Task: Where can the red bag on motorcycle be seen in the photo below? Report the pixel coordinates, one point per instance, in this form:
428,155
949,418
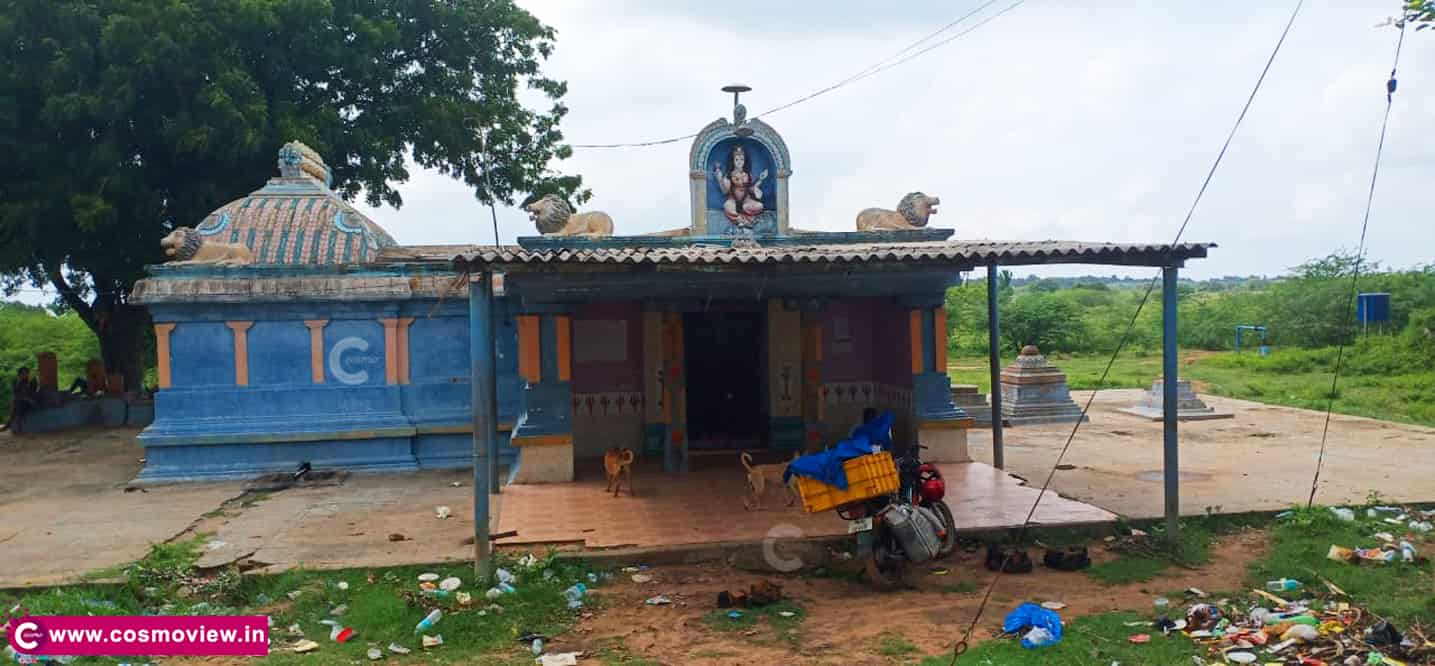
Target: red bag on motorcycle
931,488
914,530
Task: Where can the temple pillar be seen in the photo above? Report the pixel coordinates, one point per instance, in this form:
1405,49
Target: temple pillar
544,431
655,424
940,424
162,357
241,350
675,395
785,371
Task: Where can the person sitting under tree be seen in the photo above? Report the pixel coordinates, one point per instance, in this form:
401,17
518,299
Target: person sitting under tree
25,395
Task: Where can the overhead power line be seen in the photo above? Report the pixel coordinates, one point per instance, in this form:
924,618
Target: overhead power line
961,646
1355,271
902,56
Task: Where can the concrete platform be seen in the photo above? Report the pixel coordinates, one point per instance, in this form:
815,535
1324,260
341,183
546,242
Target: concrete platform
706,507
1155,414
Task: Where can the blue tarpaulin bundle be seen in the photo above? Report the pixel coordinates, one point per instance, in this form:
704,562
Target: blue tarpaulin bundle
1031,616
826,466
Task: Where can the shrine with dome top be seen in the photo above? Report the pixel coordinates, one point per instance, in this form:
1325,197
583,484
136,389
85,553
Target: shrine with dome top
291,328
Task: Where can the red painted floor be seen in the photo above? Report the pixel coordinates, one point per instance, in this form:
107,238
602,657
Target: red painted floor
706,506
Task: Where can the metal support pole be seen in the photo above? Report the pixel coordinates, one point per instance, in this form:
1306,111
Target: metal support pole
1168,402
483,383
995,359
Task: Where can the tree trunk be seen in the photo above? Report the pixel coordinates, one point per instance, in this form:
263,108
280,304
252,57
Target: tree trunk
120,328
122,344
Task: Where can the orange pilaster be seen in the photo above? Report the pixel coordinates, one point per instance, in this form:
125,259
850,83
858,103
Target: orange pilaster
161,348
916,330
562,335
530,356
316,349
241,350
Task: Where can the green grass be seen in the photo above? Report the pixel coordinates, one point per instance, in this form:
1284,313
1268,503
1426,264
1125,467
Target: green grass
1295,378
1094,639
959,587
895,645
381,612
784,628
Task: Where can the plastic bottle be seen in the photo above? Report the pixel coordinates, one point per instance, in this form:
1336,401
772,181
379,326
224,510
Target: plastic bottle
574,595
429,621
1283,585
1161,603
1407,551
1343,513
505,576
537,646
506,588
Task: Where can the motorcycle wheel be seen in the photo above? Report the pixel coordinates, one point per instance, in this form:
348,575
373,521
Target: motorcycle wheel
949,524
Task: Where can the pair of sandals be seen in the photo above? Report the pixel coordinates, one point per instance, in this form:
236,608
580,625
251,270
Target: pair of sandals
1073,558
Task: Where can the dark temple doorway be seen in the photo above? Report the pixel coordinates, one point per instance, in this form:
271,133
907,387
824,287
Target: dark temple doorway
725,384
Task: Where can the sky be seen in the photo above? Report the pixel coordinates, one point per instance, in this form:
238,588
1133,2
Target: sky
1085,121
1091,121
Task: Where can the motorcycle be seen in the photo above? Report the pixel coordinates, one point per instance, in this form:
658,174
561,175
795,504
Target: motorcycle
912,526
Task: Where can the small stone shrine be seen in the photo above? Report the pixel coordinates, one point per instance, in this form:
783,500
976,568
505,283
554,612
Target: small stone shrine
1034,392
1188,405
973,402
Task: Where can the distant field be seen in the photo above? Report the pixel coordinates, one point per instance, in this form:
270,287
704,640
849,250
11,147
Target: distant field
1406,398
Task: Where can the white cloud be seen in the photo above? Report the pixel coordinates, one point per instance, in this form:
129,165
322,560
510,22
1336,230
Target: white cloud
1095,122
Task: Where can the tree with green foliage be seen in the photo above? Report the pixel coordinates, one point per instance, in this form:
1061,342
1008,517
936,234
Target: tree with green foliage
122,119
1420,12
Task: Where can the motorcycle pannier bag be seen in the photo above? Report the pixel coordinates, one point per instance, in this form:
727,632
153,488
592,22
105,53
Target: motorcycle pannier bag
914,531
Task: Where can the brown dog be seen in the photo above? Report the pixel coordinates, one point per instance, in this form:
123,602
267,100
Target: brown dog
618,463
757,479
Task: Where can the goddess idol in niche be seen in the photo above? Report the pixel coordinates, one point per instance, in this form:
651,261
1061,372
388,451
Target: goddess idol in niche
743,196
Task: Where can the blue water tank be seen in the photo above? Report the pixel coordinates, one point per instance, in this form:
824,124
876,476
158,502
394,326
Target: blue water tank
1372,308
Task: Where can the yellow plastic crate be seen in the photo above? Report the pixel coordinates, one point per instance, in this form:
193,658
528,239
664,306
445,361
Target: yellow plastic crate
867,476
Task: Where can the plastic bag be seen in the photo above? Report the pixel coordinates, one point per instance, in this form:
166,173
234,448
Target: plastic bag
1035,617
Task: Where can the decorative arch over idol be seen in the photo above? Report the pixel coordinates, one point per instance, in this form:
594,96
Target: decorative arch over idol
738,174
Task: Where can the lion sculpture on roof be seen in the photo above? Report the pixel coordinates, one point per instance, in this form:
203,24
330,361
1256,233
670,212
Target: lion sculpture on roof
912,213
553,217
184,246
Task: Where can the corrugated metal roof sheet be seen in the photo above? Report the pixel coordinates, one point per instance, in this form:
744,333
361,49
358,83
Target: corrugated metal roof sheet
956,253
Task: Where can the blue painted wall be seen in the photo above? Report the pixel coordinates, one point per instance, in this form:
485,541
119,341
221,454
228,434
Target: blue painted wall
207,427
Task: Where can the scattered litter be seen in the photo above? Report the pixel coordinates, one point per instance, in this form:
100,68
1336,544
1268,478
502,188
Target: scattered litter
537,646
450,584
734,615
659,600
1140,638
505,576
575,594
1044,625
456,484
293,594
1241,657
343,585
560,659
395,536
940,571
442,512
1343,513
429,621
338,632
786,613
642,578
1197,592
428,577
528,561
295,629
398,649
433,641
305,645
1053,605
1383,633
375,654
1340,554
1161,603
463,598
339,610
1421,526
215,545
631,569
1385,536
1283,585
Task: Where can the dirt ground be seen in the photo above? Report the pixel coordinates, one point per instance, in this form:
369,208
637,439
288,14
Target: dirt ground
928,617
1262,459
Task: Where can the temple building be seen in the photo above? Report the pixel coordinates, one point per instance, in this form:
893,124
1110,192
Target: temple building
292,328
